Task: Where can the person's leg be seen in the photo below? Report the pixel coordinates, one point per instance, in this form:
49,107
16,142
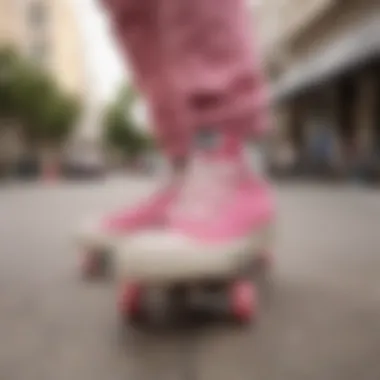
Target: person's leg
214,60
135,25
220,223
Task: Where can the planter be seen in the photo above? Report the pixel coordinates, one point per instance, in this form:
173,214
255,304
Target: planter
50,171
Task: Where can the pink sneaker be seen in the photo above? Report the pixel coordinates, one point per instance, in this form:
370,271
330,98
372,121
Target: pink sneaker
221,220
100,239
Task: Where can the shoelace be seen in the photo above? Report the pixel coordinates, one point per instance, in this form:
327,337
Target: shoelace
206,190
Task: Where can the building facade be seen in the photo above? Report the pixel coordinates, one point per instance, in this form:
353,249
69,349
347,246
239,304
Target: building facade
46,31
323,60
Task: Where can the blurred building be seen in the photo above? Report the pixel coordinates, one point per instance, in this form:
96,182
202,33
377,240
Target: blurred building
47,32
322,57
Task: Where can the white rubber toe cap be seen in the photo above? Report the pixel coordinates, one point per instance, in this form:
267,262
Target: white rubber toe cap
169,256
93,236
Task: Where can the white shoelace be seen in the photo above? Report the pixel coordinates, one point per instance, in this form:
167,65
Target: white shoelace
206,189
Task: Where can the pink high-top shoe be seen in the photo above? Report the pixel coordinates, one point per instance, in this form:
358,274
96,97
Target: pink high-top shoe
220,222
98,240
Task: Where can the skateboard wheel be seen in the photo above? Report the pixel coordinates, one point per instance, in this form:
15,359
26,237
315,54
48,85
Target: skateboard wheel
266,260
94,264
89,265
243,302
130,302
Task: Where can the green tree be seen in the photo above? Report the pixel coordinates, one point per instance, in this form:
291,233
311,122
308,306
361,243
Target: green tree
121,131
32,101
10,66
31,96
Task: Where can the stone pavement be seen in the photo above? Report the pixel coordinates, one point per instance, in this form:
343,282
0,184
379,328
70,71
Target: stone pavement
320,320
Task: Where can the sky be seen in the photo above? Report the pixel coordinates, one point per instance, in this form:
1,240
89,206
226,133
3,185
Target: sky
104,67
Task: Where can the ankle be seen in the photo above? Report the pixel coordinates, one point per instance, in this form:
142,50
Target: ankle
178,166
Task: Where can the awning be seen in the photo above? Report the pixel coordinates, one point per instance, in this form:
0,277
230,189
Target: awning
354,48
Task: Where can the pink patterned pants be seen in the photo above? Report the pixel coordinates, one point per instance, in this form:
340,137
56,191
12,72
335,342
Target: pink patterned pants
196,63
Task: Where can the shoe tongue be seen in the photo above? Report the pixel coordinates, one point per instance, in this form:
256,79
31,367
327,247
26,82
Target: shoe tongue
215,143
207,140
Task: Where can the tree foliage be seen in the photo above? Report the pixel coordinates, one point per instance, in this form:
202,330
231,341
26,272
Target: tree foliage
31,96
10,66
121,131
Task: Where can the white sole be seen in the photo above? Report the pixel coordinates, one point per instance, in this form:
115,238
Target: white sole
166,264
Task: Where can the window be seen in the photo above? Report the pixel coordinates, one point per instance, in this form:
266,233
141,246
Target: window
39,52
37,18
37,14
